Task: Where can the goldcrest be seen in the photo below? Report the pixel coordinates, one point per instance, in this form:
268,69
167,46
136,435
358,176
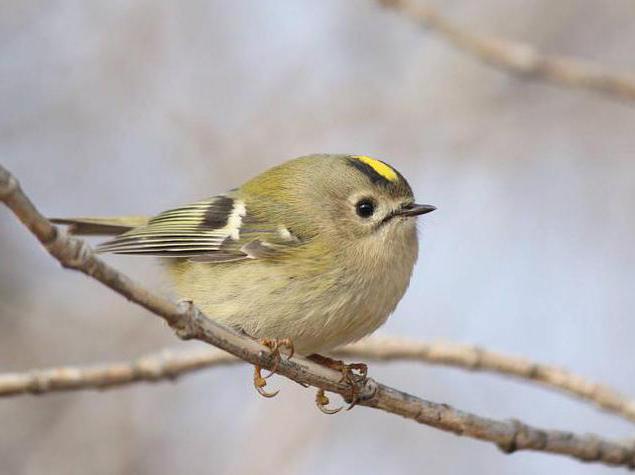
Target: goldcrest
318,250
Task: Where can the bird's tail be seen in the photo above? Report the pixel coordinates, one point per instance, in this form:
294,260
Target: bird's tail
108,226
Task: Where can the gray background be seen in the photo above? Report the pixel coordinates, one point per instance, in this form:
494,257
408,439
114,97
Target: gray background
127,107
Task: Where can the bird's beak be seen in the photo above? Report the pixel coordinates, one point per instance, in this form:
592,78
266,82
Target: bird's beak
415,210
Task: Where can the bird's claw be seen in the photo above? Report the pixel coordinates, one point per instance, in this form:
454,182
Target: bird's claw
354,374
274,345
322,400
260,383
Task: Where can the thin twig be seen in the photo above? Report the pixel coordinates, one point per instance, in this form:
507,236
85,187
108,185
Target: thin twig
189,322
521,58
170,364
158,366
475,358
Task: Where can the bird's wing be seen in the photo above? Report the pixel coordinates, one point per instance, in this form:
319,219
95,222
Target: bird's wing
217,229
101,226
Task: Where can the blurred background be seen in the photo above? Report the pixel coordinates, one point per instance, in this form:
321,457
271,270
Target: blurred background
130,107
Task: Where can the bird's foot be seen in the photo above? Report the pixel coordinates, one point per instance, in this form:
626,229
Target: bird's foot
354,374
322,401
275,345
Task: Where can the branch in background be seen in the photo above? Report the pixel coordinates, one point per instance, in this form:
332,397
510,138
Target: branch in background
520,58
169,364
159,366
189,322
474,358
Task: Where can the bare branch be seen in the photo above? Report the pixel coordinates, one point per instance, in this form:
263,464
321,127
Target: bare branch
189,322
170,364
477,359
521,58
159,366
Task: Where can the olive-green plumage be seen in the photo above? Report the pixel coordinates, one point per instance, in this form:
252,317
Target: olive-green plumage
319,249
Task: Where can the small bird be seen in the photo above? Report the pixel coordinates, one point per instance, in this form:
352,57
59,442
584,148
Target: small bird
309,255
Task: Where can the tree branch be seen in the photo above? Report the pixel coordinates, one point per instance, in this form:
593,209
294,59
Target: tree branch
474,358
170,364
521,58
158,366
189,322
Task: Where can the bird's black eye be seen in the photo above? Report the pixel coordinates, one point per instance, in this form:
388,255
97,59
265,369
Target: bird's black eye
365,208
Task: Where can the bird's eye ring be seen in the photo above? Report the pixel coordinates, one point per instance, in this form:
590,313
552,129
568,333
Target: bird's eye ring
365,208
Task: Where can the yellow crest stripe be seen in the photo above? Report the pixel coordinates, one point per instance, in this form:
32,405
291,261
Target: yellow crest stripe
380,167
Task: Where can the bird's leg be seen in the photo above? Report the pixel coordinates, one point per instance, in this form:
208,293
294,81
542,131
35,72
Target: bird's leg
355,374
274,345
352,373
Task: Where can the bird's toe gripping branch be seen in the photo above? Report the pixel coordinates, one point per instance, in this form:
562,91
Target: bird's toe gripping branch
275,345
354,374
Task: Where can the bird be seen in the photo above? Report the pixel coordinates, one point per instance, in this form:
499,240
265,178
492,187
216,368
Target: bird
307,256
